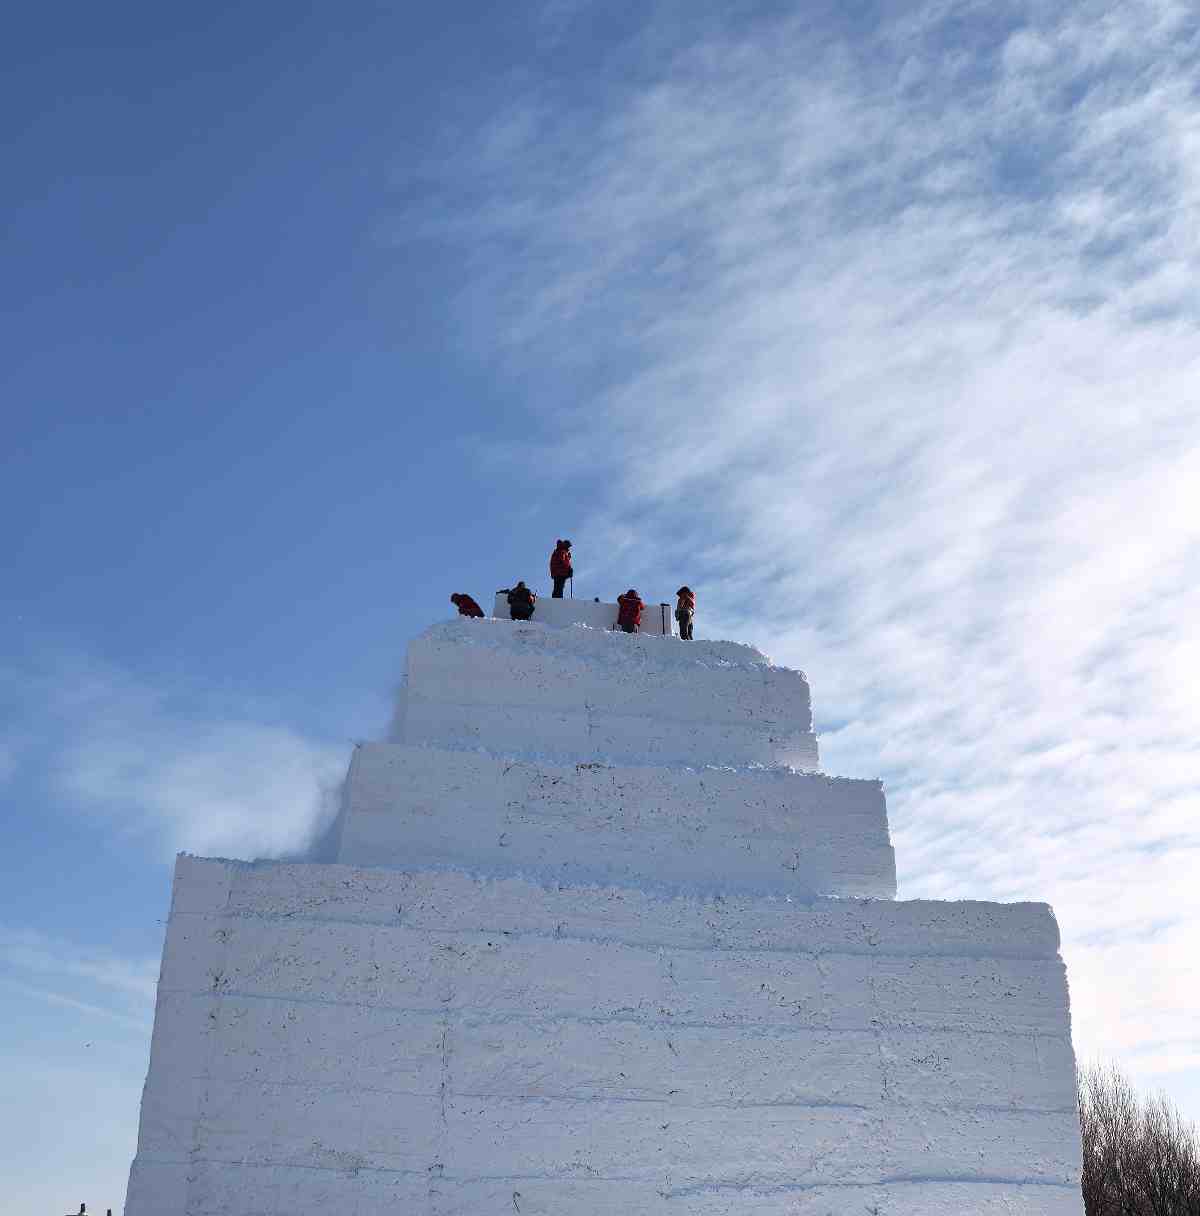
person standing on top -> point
(685, 611)
(465, 604)
(629, 611)
(560, 567)
(521, 602)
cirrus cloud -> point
(887, 339)
(177, 765)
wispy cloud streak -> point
(85, 979)
(887, 339)
(30, 951)
(178, 766)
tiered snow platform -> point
(552, 974)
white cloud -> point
(46, 996)
(192, 771)
(229, 787)
(907, 330)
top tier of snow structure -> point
(578, 694)
(587, 756)
(596, 614)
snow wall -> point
(579, 694)
(656, 618)
(618, 984)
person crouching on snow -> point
(685, 611)
(465, 604)
(521, 602)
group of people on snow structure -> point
(522, 600)
(630, 605)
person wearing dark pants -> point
(521, 603)
(560, 567)
(685, 611)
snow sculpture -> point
(599, 938)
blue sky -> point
(877, 324)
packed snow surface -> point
(587, 694)
(767, 829)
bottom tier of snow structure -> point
(437, 1042)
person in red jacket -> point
(465, 604)
(629, 611)
(560, 567)
(685, 611)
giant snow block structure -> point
(598, 937)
